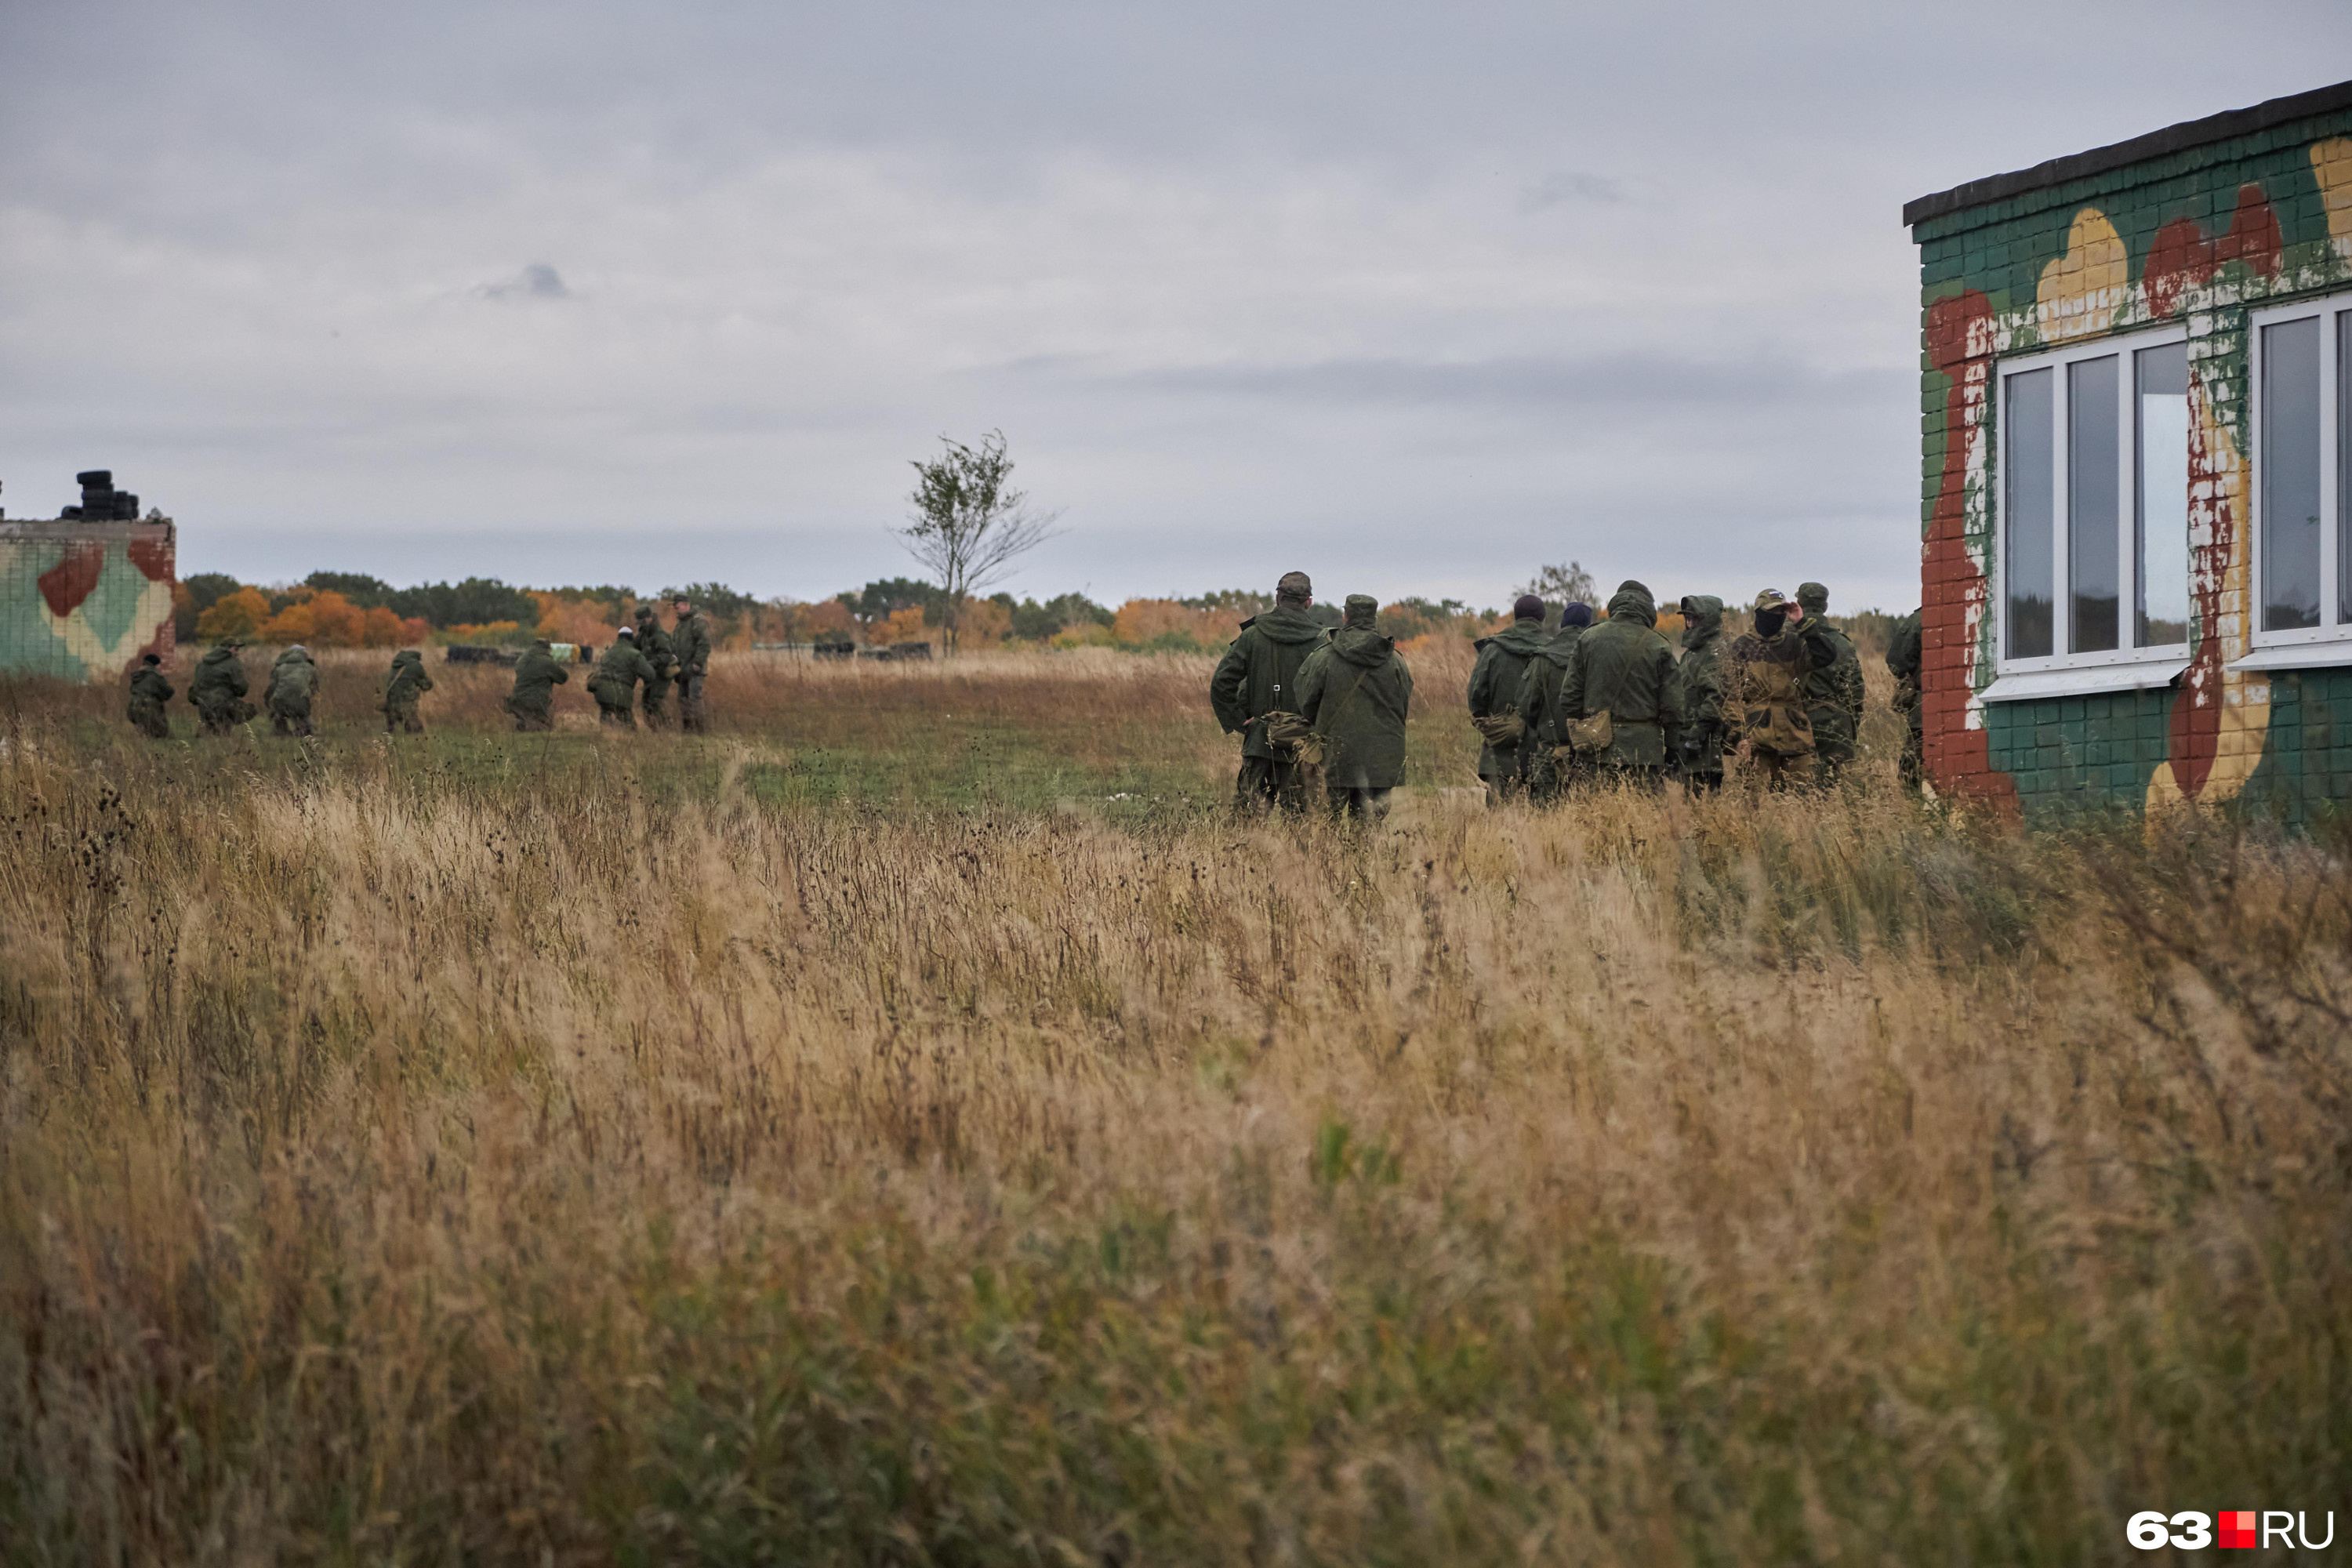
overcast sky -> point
(1413, 297)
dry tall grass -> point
(407, 1166)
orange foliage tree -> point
(238, 615)
(1141, 621)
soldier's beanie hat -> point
(1770, 599)
(149, 659)
(628, 631)
(1294, 585)
(1633, 585)
(1527, 608)
(1361, 608)
(644, 612)
(1813, 597)
(1576, 613)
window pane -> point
(2162, 530)
(2290, 475)
(2031, 457)
(2094, 463)
(2344, 466)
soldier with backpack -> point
(1254, 693)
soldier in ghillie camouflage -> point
(1766, 676)
(1355, 690)
(402, 687)
(1834, 693)
(1698, 694)
(293, 682)
(1258, 679)
(1494, 695)
(1549, 766)
(149, 692)
(217, 691)
(537, 675)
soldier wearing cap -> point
(1765, 677)
(1546, 742)
(613, 682)
(1494, 695)
(1698, 694)
(1833, 694)
(1355, 690)
(654, 643)
(689, 637)
(219, 688)
(537, 675)
(1257, 680)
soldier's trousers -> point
(1359, 803)
(530, 719)
(1775, 770)
(398, 720)
(1510, 779)
(289, 723)
(656, 702)
(1914, 766)
(1264, 784)
(690, 715)
(223, 721)
(151, 723)
(618, 715)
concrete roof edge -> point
(2178, 138)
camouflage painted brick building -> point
(2137, 421)
(82, 600)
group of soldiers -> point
(643, 656)
(1590, 701)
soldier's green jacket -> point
(1903, 655)
(613, 682)
(1494, 686)
(1356, 690)
(219, 681)
(1259, 674)
(1699, 686)
(149, 691)
(293, 681)
(653, 644)
(1623, 667)
(407, 682)
(1833, 694)
(537, 675)
(689, 643)
(1539, 687)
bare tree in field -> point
(969, 524)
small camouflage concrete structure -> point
(2136, 508)
(81, 601)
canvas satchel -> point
(1591, 734)
(1503, 731)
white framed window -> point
(2093, 516)
(2302, 489)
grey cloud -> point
(536, 281)
(1566, 187)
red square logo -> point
(2237, 1529)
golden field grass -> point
(606, 1148)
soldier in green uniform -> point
(402, 687)
(1257, 678)
(293, 681)
(653, 644)
(1539, 703)
(219, 689)
(689, 640)
(1355, 691)
(1766, 676)
(1494, 695)
(537, 675)
(1903, 663)
(1620, 684)
(614, 683)
(1698, 694)
(149, 692)
(1834, 695)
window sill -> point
(2298, 656)
(2082, 681)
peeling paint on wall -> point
(82, 601)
